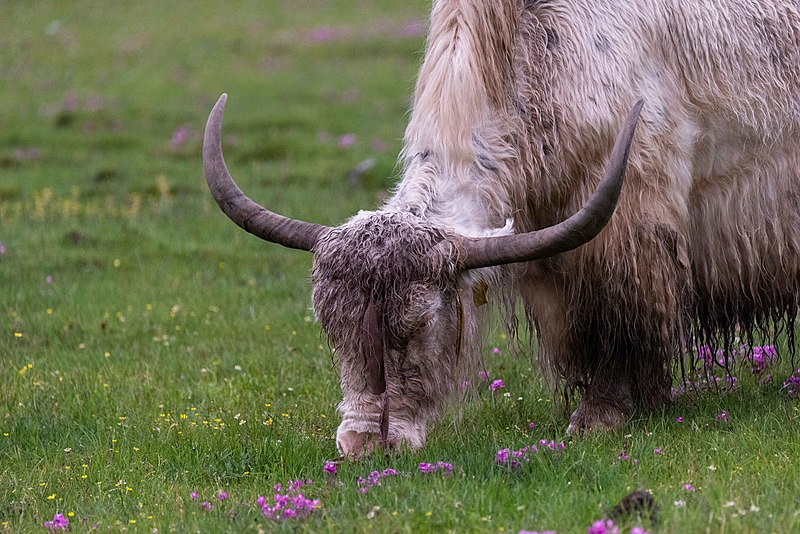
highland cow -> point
(510, 176)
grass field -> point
(150, 349)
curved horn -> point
(256, 219)
(566, 235)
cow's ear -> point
(479, 291)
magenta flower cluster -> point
(445, 467)
(374, 479)
(515, 459)
(703, 376)
(205, 505)
(603, 526)
(496, 384)
(289, 503)
(761, 358)
(792, 385)
(59, 522)
(607, 526)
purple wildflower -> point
(496, 351)
(374, 479)
(290, 504)
(704, 353)
(59, 522)
(531, 425)
(603, 526)
(688, 487)
(330, 468)
(623, 456)
(638, 530)
(679, 419)
(658, 451)
(179, 137)
(792, 385)
(502, 456)
(347, 140)
(426, 468)
(222, 495)
(496, 384)
(194, 495)
(723, 416)
(516, 459)
(484, 375)
(206, 506)
(761, 358)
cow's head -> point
(395, 295)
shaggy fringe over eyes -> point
(385, 258)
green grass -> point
(170, 352)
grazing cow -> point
(516, 111)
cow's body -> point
(516, 109)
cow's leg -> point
(607, 402)
(632, 319)
(611, 319)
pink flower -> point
(59, 522)
(291, 504)
(179, 137)
(347, 140)
(222, 495)
(330, 468)
(679, 419)
(658, 451)
(689, 488)
(194, 496)
(496, 384)
(601, 526)
(432, 468)
(502, 456)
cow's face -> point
(388, 298)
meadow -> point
(160, 369)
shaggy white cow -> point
(516, 110)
